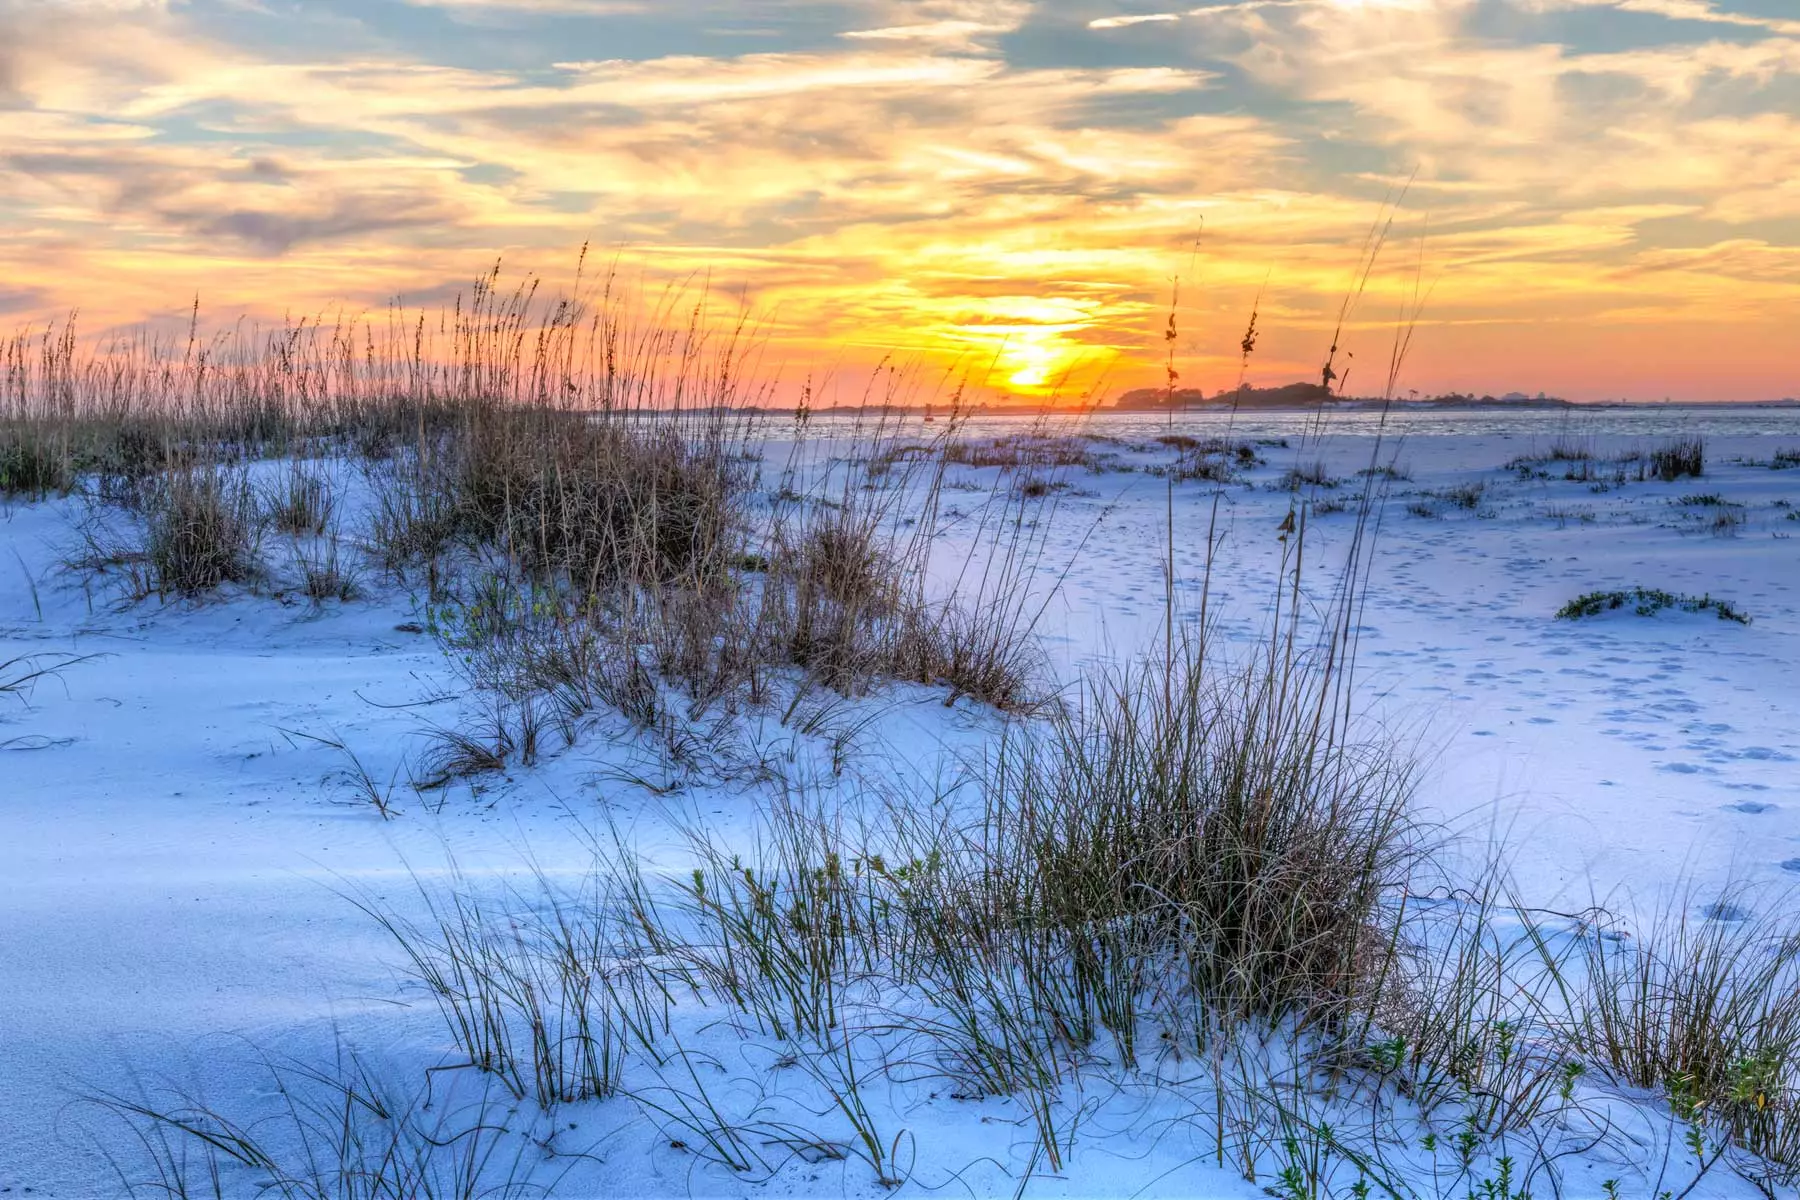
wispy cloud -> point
(1127, 22)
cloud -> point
(276, 232)
(1680, 10)
(22, 299)
(264, 205)
(1124, 22)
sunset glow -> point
(1593, 198)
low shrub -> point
(1646, 602)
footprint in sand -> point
(1751, 806)
(1764, 754)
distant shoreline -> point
(1350, 405)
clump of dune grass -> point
(1704, 1008)
(34, 463)
(1212, 459)
(300, 504)
(1216, 818)
(1647, 602)
(191, 532)
(1678, 459)
(201, 533)
(1466, 496)
(1034, 448)
(325, 571)
(579, 561)
(1314, 474)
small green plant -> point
(1647, 602)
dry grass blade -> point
(21, 674)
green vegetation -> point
(1647, 602)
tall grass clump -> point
(1678, 459)
(1704, 1008)
(301, 503)
(581, 561)
(190, 532)
(34, 462)
(1216, 820)
(201, 532)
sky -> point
(1592, 198)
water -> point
(1647, 423)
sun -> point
(1032, 343)
(1036, 362)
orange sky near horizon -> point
(1591, 198)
